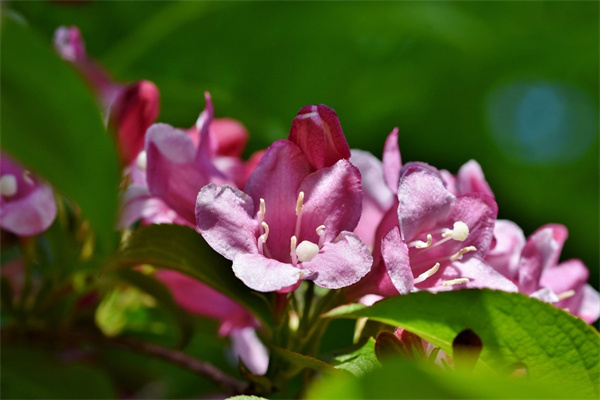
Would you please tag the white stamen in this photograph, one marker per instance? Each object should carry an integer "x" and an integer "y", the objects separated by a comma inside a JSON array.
[
  {"x": 27, "y": 177},
  {"x": 262, "y": 239},
  {"x": 320, "y": 230},
  {"x": 460, "y": 232},
  {"x": 419, "y": 244},
  {"x": 427, "y": 273},
  {"x": 455, "y": 281},
  {"x": 306, "y": 251},
  {"x": 262, "y": 210},
  {"x": 8, "y": 185},
  {"x": 459, "y": 254},
  {"x": 142, "y": 160},
  {"x": 293, "y": 241},
  {"x": 565, "y": 295},
  {"x": 299, "y": 203}
]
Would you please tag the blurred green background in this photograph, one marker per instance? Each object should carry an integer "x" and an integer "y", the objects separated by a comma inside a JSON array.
[{"x": 513, "y": 85}]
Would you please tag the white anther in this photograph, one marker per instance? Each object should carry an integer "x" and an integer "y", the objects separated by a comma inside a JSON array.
[
  {"x": 565, "y": 295},
  {"x": 458, "y": 281},
  {"x": 459, "y": 254},
  {"x": 320, "y": 230},
  {"x": 8, "y": 185},
  {"x": 299, "y": 203},
  {"x": 27, "y": 177},
  {"x": 293, "y": 242},
  {"x": 262, "y": 210},
  {"x": 460, "y": 231},
  {"x": 419, "y": 244},
  {"x": 306, "y": 251},
  {"x": 142, "y": 160},
  {"x": 265, "y": 235},
  {"x": 427, "y": 273}
]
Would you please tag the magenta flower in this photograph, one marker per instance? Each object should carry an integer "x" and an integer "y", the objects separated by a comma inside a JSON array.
[
  {"x": 130, "y": 109},
  {"x": 470, "y": 179},
  {"x": 27, "y": 206},
  {"x": 437, "y": 242},
  {"x": 292, "y": 221},
  {"x": 236, "y": 322},
  {"x": 537, "y": 272}
]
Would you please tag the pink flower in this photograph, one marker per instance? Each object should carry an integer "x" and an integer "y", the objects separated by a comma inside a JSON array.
[
  {"x": 236, "y": 322},
  {"x": 533, "y": 266},
  {"x": 470, "y": 179},
  {"x": 130, "y": 109},
  {"x": 27, "y": 206},
  {"x": 437, "y": 241},
  {"x": 292, "y": 221}
]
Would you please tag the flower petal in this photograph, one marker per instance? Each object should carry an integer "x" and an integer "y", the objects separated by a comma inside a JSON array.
[
  {"x": 541, "y": 251},
  {"x": 470, "y": 179},
  {"x": 276, "y": 179},
  {"x": 589, "y": 309},
  {"x": 31, "y": 214},
  {"x": 340, "y": 263},
  {"x": 392, "y": 161},
  {"x": 505, "y": 254},
  {"x": 223, "y": 215},
  {"x": 171, "y": 172},
  {"x": 248, "y": 347},
  {"x": 316, "y": 130},
  {"x": 332, "y": 197},
  {"x": 229, "y": 135},
  {"x": 423, "y": 200},
  {"x": 265, "y": 274},
  {"x": 397, "y": 263}
]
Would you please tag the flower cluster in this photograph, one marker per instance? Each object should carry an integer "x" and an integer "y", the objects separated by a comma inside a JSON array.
[{"x": 308, "y": 208}]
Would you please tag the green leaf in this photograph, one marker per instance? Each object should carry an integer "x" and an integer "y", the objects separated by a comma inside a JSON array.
[
  {"x": 51, "y": 123},
  {"x": 164, "y": 298},
  {"x": 302, "y": 361},
  {"x": 29, "y": 373},
  {"x": 554, "y": 345},
  {"x": 360, "y": 361},
  {"x": 403, "y": 379},
  {"x": 182, "y": 249}
]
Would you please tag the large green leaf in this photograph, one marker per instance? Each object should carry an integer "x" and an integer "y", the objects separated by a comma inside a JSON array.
[
  {"x": 182, "y": 249},
  {"x": 360, "y": 361},
  {"x": 29, "y": 373},
  {"x": 555, "y": 346},
  {"x": 403, "y": 379},
  {"x": 51, "y": 123}
]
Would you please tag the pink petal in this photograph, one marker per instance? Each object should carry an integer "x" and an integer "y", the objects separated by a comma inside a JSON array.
[
  {"x": 224, "y": 219},
  {"x": 450, "y": 181},
  {"x": 541, "y": 251},
  {"x": 132, "y": 113},
  {"x": 248, "y": 347},
  {"x": 318, "y": 133},
  {"x": 230, "y": 136},
  {"x": 423, "y": 200},
  {"x": 265, "y": 274},
  {"x": 568, "y": 275},
  {"x": 509, "y": 242},
  {"x": 392, "y": 161},
  {"x": 340, "y": 263},
  {"x": 470, "y": 179},
  {"x": 31, "y": 214},
  {"x": 397, "y": 263},
  {"x": 171, "y": 171},
  {"x": 333, "y": 198},
  {"x": 589, "y": 310},
  {"x": 277, "y": 179}
]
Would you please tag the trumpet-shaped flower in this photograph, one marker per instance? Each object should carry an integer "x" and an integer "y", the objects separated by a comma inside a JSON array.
[
  {"x": 292, "y": 222},
  {"x": 438, "y": 240},
  {"x": 27, "y": 206}
]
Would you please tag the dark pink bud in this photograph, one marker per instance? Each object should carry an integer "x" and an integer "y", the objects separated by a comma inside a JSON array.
[
  {"x": 318, "y": 133},
  {"x": 131, "y": 115}
]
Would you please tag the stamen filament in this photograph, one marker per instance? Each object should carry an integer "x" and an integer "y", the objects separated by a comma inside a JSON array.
[
  {"x": 419, "y": 244},
  {"x": 459, "y": 254},
  {"x": 453, "y": 282},
  {"x": 262, "y": 239},
  {"x": 299, "y": 205},
  {"x": 427, "y": 273},
  {"x": 320, "y": 230},
  {"x": 565, "y": 295},
  {"x": 262, "y": 210},
  {"x": 293, "y": 254}
]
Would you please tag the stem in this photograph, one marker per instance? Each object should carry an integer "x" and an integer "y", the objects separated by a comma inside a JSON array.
[{"x": 202, "y": 368}]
